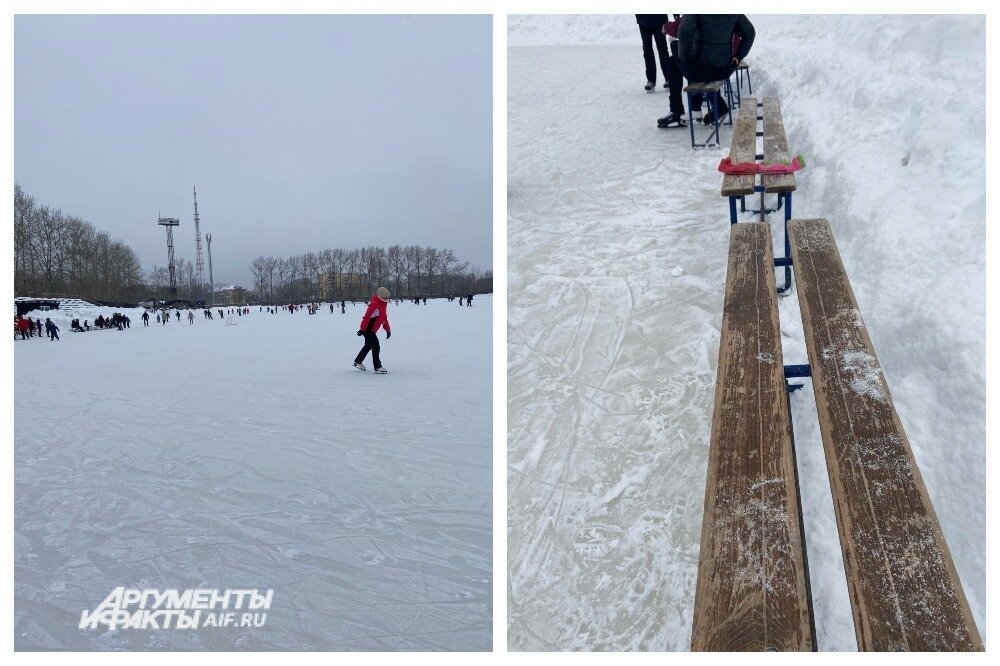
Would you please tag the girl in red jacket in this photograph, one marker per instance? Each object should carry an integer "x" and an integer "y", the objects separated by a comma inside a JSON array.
[{"x": 375, "y": 317}]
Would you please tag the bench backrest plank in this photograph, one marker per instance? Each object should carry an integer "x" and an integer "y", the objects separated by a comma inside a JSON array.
[
  {"x": 752, "y": 591},
  {"x": 904, "y": 590},
  {"x": 742, "y": 149},
  {"x": 775, "y": 148}
]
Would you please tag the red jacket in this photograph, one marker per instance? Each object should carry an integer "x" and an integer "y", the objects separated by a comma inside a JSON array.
[
  {"x": 22, "y": 325},
  {"x": 376, "y": 316}
]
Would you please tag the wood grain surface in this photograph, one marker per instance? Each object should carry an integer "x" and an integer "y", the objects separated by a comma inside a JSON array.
[
  {"x": 904, "y": 590},
  {"x": 752, "y": 590},
  {"x": 742, "y": 149},
  {"x": 775, "y": 148}
]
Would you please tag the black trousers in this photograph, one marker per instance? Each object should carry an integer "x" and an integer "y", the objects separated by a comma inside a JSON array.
[
  {"x": 696, "y": 72},
  {"x": 371, "y": 344},
  {"x": 650, "y": 35}
]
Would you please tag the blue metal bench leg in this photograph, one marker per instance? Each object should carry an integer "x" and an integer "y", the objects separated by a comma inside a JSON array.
[
  {"x": 788, "y": 248},
  {"x": 732, "y": 210},
  {"x": 749, "y": 82},
  {"x": 794, "y": 372},
  {"x": 691, "y": 117},
  {"x": 715, "y": 119}
]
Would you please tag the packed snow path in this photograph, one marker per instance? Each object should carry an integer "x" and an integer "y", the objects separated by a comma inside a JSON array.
[
  {"x": 617, "y": 246},
  {"x": 249, "y": 453}
]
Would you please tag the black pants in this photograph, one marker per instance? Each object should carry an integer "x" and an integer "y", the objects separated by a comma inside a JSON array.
[
  {"x": 371, "y": 344},
  {"x": 696, "y": 72},
  {"x": 650, "y": 35}
]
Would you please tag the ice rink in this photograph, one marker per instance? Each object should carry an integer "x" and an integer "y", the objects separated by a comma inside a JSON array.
[{"x": 248, "y": 453}]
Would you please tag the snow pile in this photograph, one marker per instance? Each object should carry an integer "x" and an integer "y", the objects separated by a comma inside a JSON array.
[
  {"x": 254, "y": 456},
  {"x": 617, "y": 245},
  {"x": 83, "y": 311}
]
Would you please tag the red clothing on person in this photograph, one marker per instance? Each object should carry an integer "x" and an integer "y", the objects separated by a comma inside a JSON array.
[{"x": 376, "y": 310}]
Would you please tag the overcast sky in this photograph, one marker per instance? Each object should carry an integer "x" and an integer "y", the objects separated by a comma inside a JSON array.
[{"x": 301, "y": 132}]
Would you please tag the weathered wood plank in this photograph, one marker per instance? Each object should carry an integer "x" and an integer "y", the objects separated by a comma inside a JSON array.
[
  {"x": 742, "y": 149},
  {"x": 693, "y": 87},
  {"x": 904, "y": 590},
  {"x": 752, "y": 591},
  {"x": 775, "y": 148}
]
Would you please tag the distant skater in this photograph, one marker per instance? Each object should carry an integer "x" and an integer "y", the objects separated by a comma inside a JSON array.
[
  {"x": 468, "y": 299},
  {"x": 343, "y": 307},
  {"x": 375, "y": 318},
  {"x": 145, "y": 319},
  {"x": 52, "y": 329},
  {"x": 190, "y": 318}
]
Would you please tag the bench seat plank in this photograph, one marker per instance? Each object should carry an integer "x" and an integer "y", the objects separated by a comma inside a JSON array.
[
  {"x": 775, "y": 148},
  {"x": 752, "y": 590},
  {"x": 742, "y": 149},
  {"x": 904, "y": 590}
]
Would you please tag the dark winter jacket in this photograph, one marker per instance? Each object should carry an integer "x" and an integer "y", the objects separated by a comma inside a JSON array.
[
  {"x": 708, "y": 38},
  {"x": 651, "y": 20},
  {"x": 375, "y": 316}
]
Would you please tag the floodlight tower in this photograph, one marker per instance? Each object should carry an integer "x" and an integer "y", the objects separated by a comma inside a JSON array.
[
  {"x": 199, "y": 265},
  {"x": 211, "y": 282},
  {"x": 170, "y": 223}
]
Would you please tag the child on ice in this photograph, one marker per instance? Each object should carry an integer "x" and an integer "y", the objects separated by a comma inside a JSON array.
[{"x": 375, "y": 318}]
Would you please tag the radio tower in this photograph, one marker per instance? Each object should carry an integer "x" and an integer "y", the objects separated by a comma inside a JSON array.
[
  {"x": 199, "y": 265},
  {"x": 170, "y": 223},
  {"x": 211, "y": 282}
]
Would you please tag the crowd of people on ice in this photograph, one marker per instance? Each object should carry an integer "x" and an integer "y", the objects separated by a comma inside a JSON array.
[
  {"x": 375, "y": 318},
  {"x": 702, "y": 48},
  {"x": 25, "y": 327}
]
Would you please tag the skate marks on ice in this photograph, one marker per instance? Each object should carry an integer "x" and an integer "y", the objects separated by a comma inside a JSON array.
[
  {"x": 616, "y": 268},
  {"x": 362, "y": 504},
  {"x": 602, "y": 433}
]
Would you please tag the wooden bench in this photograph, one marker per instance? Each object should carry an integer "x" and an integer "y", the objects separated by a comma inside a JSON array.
[
  {"x": 708, "y": 90},
  {"x": 753, "y": 588},
  {"x": 744, "y": 149},
  {"x": 904, "y": 590}
]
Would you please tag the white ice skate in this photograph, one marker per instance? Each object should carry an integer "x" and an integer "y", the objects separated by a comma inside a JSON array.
[
  {"x": 360, "y": 366},
  {"x": 380, "y": 371}
]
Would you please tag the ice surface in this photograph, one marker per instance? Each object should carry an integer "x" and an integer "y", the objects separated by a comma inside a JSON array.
[
  {"x": 254, "y": 455},
  {"x": 617, "y": 242}
]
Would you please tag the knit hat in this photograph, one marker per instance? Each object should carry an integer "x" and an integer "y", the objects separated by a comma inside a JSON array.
[{"x": 383, "y": 293}]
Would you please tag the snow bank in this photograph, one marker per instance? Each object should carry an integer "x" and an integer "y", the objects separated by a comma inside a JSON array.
[
  {"x": 889, "y": 112},
  {"x": 88, "y": 312}
]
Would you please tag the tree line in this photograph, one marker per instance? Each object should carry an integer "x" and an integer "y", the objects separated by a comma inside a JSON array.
[
  {"x": 56, "y": 254},
  {"x": 338, "y": 274}
]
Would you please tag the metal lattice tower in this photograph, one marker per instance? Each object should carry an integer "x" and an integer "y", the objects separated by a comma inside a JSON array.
[
  {"x": 199, "y": 265},
  {"x": 170, "y": 223},
  {"x": 211, "y": 282}
]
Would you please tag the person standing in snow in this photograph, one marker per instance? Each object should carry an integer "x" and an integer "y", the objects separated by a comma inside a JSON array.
[
  {"x": 52, "y": 330},
  {"x": 38, "y": 326},
  {"x": 190, "y": 318},
  {"x": 468, "y": 299},
  {"x": 710, "y": 46},
  {"x": 21, "y": 326},
  {"x": 343, "y": 307},
  {"x": 375, "y": 318},
  {"x": 651, "y": 30}
]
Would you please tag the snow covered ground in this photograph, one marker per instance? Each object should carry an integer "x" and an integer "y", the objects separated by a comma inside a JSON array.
[
  {"x": 249, "y": 453},
  {"x": 617, "y": 241}
]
